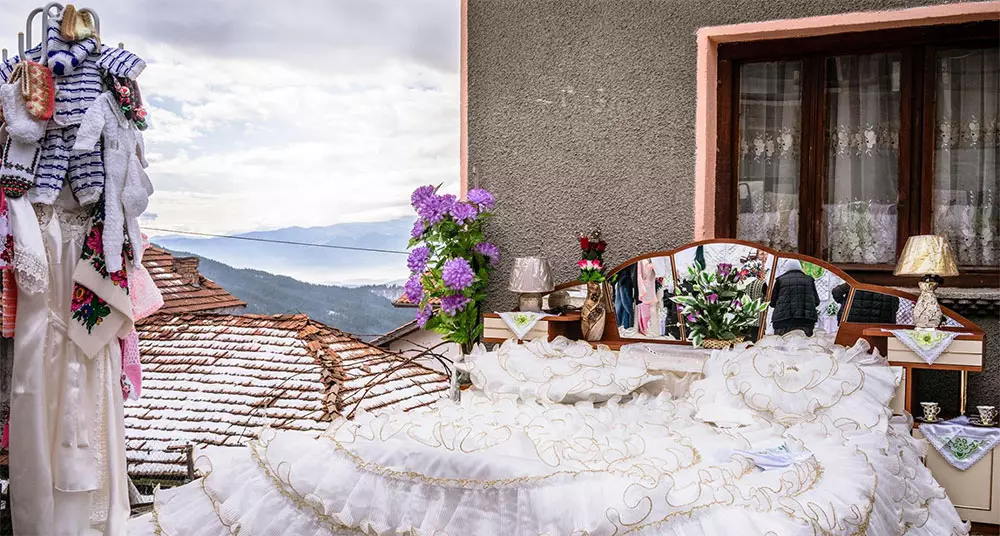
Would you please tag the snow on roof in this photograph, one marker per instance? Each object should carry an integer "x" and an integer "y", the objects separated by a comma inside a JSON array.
[
  {"x": 215, "y": 379},
  {"x": 183, "y": 287}
]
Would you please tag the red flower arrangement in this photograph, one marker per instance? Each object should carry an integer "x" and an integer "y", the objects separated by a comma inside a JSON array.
[{"x": 592, "y": 257}]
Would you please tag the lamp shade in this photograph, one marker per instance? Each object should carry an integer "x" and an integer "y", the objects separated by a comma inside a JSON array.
[
  {"x": 531, "y": 275},
  {"x": 927, "y": 255}
]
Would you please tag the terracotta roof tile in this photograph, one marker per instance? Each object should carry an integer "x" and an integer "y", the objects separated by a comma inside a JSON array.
[
  {"x": 184, "y": 289},
  {"x": 215, "y": 379},
  {"x": 403, "y": 301}
]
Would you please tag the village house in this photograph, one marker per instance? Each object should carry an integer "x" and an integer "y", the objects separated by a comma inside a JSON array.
[{"x": 784, "y": 124}]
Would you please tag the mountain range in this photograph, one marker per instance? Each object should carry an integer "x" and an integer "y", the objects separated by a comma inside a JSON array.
[
  {"x": 365, "y": 311},
  {"x": 318, "y": 265}
]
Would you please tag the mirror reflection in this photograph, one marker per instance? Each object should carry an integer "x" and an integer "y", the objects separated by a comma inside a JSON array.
[
  {"x": 872, "y": 307},
  {"x": 753, "y": 265},
  {"x": 642, "y": 292},
  {"x": 806, "y": 297}
]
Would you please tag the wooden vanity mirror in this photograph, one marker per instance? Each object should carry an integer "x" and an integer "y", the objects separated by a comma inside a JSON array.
[{"x": 638, "y": 292}]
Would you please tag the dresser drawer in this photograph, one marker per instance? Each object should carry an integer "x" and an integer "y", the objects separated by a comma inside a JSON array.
[
  {"x": 965, "y": 353},
  {"x": 496, "y": 328}
]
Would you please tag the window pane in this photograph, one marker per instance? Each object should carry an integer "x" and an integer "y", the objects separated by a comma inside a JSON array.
[
  {"x": 862, "y": 174},
  {"x": 768, "y": 169},
  {"x": 967, "y": 148}
]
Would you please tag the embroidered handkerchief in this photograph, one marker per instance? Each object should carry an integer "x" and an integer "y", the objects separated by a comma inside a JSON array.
[
  {"x": 521, "y": 322},
  {"x": 928, "y": 344},
  {"x": 960, "y": 443},
  {"x": 774, "y": 457}
]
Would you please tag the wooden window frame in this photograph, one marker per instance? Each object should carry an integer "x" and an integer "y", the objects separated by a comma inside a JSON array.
[{"x": 917, "y": 46}]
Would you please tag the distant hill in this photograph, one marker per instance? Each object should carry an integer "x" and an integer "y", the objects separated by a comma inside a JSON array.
[
  {"x": 364, "y": 311},
  {"x": 312, "y": 264}
]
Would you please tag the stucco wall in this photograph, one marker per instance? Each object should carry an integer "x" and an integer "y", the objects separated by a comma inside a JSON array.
[{"x": 582, "y": 113}]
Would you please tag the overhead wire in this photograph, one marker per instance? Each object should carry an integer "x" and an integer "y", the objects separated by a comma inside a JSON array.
[{"x": 286, "y": 242}]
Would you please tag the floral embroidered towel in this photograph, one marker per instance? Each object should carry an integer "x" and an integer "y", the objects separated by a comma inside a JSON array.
[
  {"x": 101, "y": 307},
  {"x": 521, "y": 322},
  {"x": 960, "y": 443},
  {"x": 928, "y": 344}
]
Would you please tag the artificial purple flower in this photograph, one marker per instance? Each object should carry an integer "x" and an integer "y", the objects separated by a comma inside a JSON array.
[
  {"x": 488, "y": 250},
  {"x": 713, "y": 297},
  {"x": 725, "y": 269},
  {"x": 482, "y": 198},
  {"x": 454, "y": 304},
  {"x": 424, "y": 315},
  {"x": 435, "y": 208},
  {"x": 737, "y": 303},
  {"x": 418, "y": 229},
  {"x": 691, "y": 318},
  {"x": 417, "y": 261},
  {"x": 413, "y": 289},
  {"x": 463, "y": 212},
  {"x": 457, "y": 274},
  {"x": 421, "y": 195}
]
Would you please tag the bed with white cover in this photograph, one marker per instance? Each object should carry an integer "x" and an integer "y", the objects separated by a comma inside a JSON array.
[{"x": 562, "y": 439}]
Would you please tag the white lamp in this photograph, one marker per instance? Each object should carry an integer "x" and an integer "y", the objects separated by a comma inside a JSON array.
[
  {"x": 929, "y": 256},
  {"x": 531, "y": 277}
]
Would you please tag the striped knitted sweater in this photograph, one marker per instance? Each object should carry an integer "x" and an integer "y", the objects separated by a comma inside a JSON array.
[{"x": 76, "y": 68}]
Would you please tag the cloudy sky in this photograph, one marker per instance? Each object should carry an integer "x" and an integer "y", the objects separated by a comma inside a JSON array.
[{"x": 268, "y": 114}]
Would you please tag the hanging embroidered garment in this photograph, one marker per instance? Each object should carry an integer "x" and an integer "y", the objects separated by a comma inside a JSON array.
[
  {"x": 145, "y": 295},
  {"x": 77, "y": 68},
  {"x": 67, "y": 460},
  {"x": 126, "y": 186},
  {"x": 960, "y": 443},
  {"x": 928, "y": 344},
  {"x": 521, "y": 322},
  {"x": 131, "y": 367}
]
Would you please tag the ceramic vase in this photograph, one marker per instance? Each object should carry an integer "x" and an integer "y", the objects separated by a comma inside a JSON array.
[{"x": 593, "y": 313}]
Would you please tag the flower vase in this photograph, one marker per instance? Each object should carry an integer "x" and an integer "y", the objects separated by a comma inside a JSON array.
[
  {"x": 593, "y": 313},
  {"x": 460, "y": 379}
]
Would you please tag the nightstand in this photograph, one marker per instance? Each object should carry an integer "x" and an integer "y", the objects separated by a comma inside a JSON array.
[{"x": 975, "y": 491}]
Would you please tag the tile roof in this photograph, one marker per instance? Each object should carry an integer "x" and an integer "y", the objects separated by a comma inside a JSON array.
[
  {"x": 395, "y": 334},
  {"x": 214, "y": 379},
  {"x": 403, "y": 301},
  {"x": 184, "y": 289}
]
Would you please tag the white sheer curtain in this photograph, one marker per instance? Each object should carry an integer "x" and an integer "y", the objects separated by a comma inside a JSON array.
[
  {"x": 769, "y": 126},
  {"x": 967, "y": 149},
  {"x": 862, "y": 178}
]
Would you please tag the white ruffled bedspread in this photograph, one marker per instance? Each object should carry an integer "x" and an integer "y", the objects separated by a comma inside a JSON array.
[{"x": 499, "y": 466}]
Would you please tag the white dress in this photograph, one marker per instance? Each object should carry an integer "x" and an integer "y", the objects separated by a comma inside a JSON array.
[
  {"x": 67, "y": 462},
  {"x": 495, "y": 466}
]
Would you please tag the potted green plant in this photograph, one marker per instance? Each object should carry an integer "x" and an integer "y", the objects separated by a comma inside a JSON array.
[{"x": 715, "y": 306}]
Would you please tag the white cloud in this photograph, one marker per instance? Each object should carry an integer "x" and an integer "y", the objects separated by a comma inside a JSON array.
[{"x": 266, "y": 118}]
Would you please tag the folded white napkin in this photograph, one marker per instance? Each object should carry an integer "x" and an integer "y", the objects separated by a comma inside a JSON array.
[{"x": 724, "y": 416}]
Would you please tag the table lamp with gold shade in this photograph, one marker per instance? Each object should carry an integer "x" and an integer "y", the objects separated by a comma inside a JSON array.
[{"x": 928, "y": 256}]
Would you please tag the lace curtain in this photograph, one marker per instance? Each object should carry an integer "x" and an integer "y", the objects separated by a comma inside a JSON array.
[
  {"x": 967, "y": 149},
  {"x": 862, "y": 179},
  {"x": 770, "y": 115}
]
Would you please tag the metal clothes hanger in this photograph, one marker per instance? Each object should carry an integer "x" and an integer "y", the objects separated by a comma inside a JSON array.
[{"x": 52, "y": 9}]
